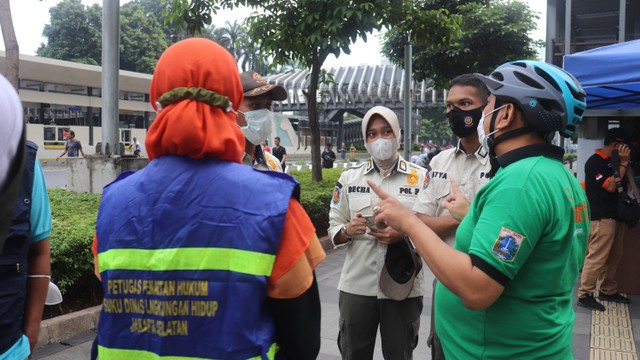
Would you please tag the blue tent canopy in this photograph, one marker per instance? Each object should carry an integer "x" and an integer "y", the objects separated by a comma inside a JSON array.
[{"x": 610, "y": 75}]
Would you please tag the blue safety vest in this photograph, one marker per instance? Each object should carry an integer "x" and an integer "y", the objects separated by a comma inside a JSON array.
[
  {"x": 185, "y": 249},
  {"x": 13, "y": 260}
]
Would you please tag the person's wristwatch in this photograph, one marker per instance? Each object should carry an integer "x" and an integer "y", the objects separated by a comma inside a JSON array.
[{"x": 344, "y": 232}]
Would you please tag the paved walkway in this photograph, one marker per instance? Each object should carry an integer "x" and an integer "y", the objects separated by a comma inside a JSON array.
[{"x": 614, "y": 334}]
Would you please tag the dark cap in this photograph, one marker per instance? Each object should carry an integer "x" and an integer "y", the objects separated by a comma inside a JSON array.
[
  {"x": 401, "y": 266},
  {"x": 617, "y": 135},
  {"x": 254, "y": 85}
]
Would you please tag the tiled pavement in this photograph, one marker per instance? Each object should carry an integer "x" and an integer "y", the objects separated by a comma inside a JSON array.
[{"x": 612, "y": 334}]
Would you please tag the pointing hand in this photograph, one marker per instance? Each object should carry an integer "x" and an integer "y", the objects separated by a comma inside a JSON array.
[{"x": 456, "y": 202}]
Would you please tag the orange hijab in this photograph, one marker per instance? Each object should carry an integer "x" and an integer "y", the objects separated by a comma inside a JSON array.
[{"x": 190, "y": 127}]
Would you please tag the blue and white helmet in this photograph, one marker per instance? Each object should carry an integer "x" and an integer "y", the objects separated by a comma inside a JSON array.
[{"x": 550, "y": 98}]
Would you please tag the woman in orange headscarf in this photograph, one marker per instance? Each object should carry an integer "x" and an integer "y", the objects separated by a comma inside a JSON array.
[{"x": 207, "y": 264}]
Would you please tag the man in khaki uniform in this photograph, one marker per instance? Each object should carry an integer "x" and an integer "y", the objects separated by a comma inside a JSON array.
[
  {"x": 363, "y": 305},
  {"x": 468, "y": 164}
]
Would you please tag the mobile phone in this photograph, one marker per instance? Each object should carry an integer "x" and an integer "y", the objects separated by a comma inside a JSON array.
[{"x": 371, "y": 223}]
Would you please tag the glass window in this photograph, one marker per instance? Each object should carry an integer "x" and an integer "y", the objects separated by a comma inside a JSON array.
[
  {"x": 63, "y": 133},
  {"x": 125, "y": 136},
  {"x": 49, "y": 133}
]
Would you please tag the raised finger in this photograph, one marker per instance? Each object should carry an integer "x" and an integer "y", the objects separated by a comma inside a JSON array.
[{"x": 381, "y": 193}]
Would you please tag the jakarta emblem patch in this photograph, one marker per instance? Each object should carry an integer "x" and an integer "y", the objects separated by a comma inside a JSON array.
[{"x": 507, "y": 244}]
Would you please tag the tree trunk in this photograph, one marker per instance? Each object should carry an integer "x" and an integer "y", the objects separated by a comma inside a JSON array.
[
  {"x": 12, "y": 52},
  {"x": 314, "y": 123}
]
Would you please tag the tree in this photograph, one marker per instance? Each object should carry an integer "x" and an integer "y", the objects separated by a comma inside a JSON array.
[
  {"x": 306, "y": 31},
  {"x": 434, "y": 126},
  {"x": 74, "y": 33},
  {"x": 142, "y": 40},
  {"x": 493, "y": 32},
  {"x": 10, "y": 44}
]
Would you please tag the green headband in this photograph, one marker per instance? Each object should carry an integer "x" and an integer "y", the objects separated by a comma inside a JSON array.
[{"x": 194, "y": 93}]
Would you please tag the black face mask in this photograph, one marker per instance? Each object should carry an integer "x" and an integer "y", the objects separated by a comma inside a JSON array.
[{"x": 464, "y": 122}]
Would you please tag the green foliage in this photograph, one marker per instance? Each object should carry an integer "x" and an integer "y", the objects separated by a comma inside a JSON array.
[
  {"x": 74, "y": 220},
  {"x": 142, "y": 40},
  {"x": 570, "y": 158},
  {"x": 315, "y": 197},
  {"x": 434, "y": 126},
  {"x": 74, "y": 33},
  {"x": 306, "y": 31},
  {"x": 451, "y": 38}
]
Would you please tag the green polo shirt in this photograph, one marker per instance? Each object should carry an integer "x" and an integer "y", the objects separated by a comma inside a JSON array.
[{"x": 527, "y": 229}]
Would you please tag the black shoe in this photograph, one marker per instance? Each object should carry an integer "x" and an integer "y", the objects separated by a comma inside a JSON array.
[
  {"x": 617, "y": 298},
  {"x": 590, "y": 303}
]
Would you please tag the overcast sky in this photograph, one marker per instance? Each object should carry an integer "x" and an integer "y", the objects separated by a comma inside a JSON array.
[{"x": 30, "y": 16}]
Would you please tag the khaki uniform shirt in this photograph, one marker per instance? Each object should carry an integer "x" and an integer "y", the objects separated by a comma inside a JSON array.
[
  {"x": 365, "y": 256},
  {"x": 469, "y": 172}
]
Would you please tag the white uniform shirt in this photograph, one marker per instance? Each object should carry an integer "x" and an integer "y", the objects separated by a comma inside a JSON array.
[
  {"x": 469, "y": 172},
  {"x": 365, "y": 255}
]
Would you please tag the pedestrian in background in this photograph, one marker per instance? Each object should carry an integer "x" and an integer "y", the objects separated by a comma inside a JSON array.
[
  {"x": 523, "y": 238},
  {"x": 343, "y": 151},
  {"x": 249, "y": 290},
  {"x": 364, "y": 302},
  {"x": 72, "y": 147},
  {"x": 265, "y": 146},
  {"x": 135, "y": 146},
  {"x": 328, "y": 157},
  {"x": 607, "y": 231},
  {"x": 279, "y": 152}
]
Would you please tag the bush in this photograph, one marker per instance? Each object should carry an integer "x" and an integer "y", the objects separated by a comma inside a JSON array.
[
  {"x": 74, "y": 223},
  {"x": 569, "y": 158},
  {"x": 316, "y": 197}
]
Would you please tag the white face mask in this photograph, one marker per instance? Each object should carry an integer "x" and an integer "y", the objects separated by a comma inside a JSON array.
[
  {"x": 54, "y": 296},
  {"x": 258, "y": 126},
  {"x": 382, "y": 149},
  {"x": 482, "y": 137}
]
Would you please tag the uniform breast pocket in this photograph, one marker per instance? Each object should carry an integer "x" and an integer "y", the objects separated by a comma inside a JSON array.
[
  {"x": 360, "y": 204},
  {"x": 441, "y": 188},
  {"x": 407, "y": 200}
]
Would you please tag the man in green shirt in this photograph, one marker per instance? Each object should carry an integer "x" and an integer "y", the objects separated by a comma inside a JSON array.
[{"x": 505, "y": 289}]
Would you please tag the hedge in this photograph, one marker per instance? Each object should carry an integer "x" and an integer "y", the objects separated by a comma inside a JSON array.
[{"x": 74, "y": 220}]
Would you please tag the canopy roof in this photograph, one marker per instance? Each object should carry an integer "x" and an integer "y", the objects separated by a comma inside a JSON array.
[{"x": 610, "y": 75}]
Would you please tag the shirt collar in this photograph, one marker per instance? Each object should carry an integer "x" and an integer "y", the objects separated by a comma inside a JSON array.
[
  {"x": 602, "y": 154},
  {"x": 401, "y": 166},
  {"x": 546, "y": 150},
  {"x": 480, "y": 154}
]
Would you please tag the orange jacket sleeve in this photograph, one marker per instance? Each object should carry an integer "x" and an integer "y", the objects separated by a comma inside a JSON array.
[{"x": 299, "y": 254}]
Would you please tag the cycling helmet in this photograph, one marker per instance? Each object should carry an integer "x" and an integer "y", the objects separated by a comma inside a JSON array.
[{"x": 550, "y": 98}]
